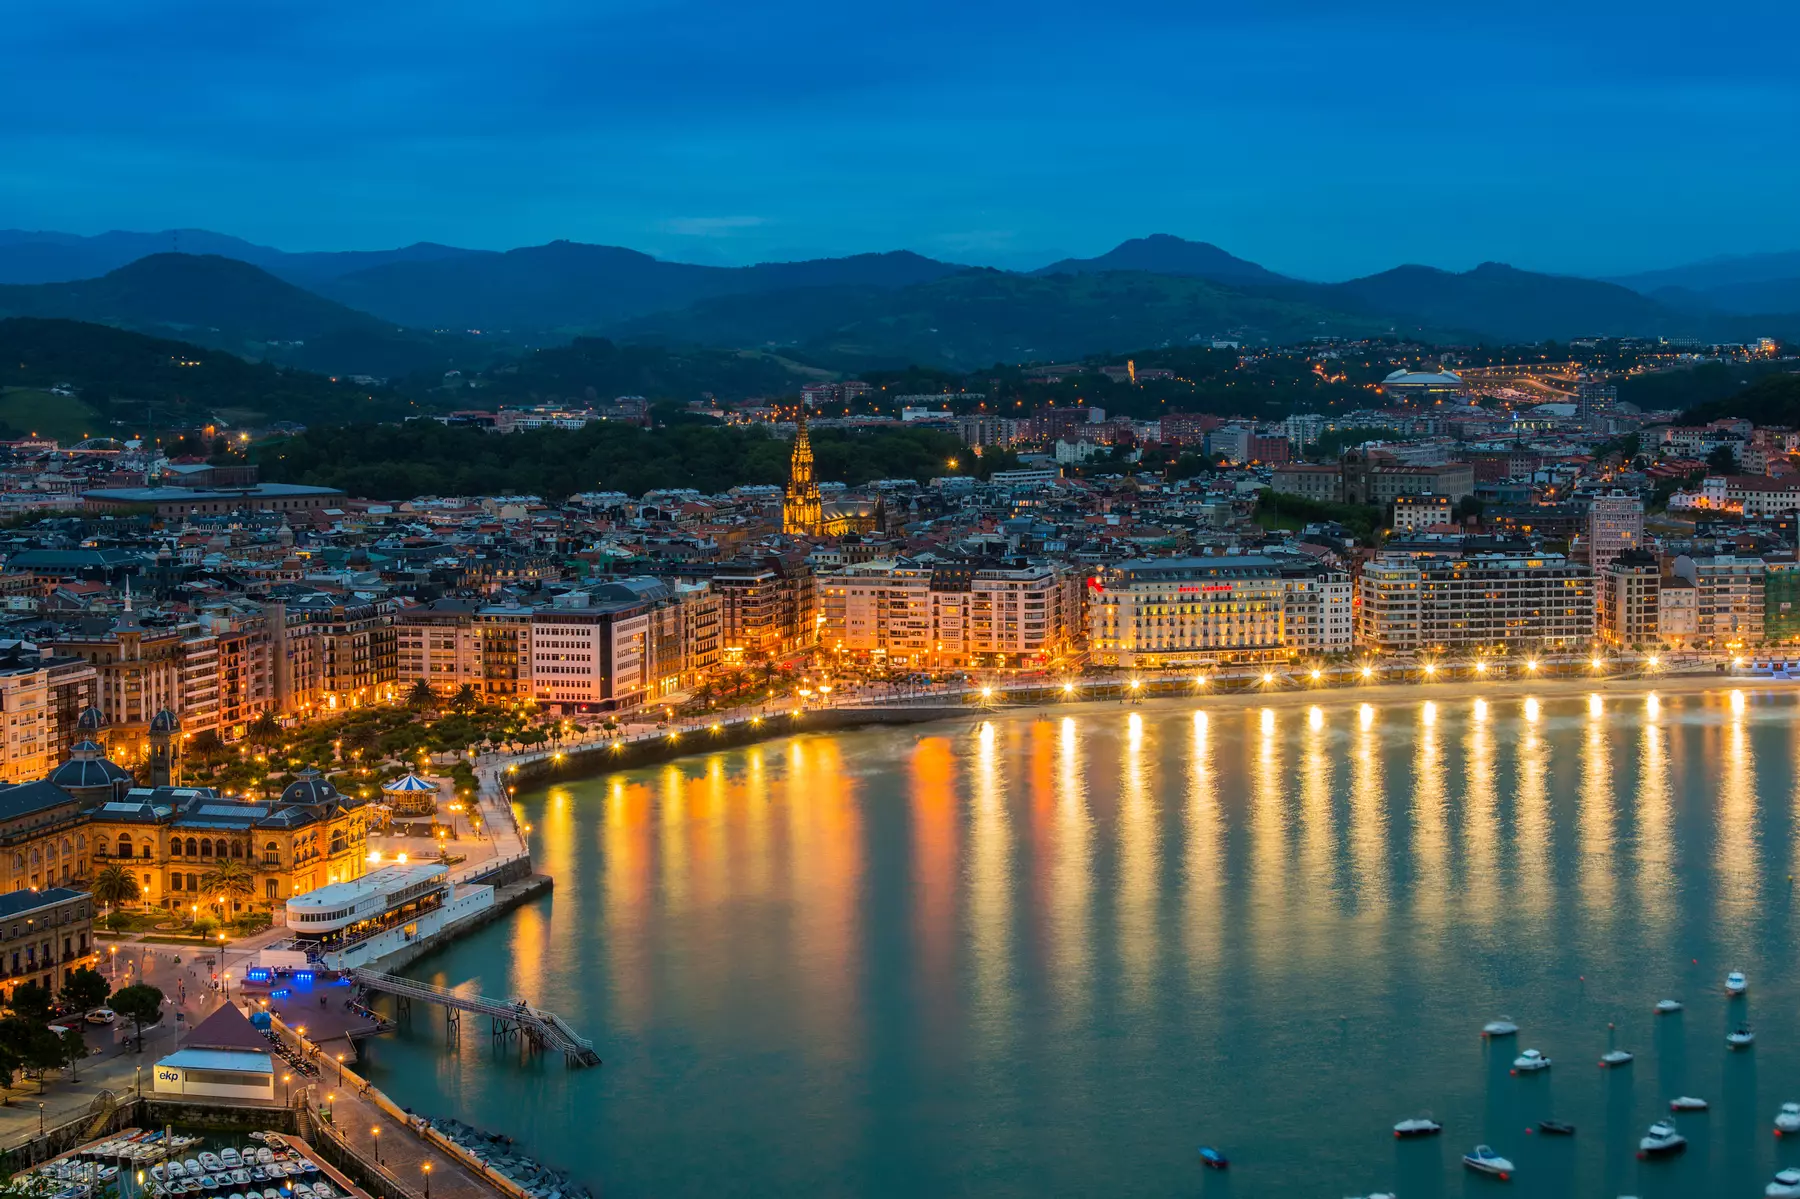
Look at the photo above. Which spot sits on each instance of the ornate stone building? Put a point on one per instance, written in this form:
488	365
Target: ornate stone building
802	511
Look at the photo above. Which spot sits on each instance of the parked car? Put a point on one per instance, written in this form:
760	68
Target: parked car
102	1015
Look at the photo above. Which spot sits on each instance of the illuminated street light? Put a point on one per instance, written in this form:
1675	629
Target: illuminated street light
1367	671
1480	667
1531	664
1431	668
1651	661
1595	663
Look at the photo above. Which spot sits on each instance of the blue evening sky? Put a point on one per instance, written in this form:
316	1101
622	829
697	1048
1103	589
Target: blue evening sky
1321	139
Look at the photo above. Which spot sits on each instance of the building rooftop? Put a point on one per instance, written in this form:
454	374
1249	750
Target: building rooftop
376	882
239	1060
17	903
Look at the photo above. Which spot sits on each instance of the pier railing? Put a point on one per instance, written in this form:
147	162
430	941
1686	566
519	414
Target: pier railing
539	1028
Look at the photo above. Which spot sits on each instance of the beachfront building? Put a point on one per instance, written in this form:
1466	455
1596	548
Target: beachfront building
45	936
1183	612
930	613
1728	591
1449	599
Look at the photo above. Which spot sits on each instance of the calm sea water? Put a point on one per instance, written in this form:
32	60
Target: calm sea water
1049	955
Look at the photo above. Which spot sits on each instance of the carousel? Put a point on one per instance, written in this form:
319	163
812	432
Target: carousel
410	795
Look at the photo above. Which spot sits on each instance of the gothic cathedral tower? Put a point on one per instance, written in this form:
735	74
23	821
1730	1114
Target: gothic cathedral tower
801	509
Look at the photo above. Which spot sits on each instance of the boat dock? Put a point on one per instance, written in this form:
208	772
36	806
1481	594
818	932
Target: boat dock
536	1027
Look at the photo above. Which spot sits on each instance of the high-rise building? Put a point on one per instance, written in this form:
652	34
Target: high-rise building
1630	599
1594	401
1728	605
950	613
1615	523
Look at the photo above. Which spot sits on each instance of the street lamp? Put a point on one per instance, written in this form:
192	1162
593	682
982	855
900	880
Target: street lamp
340	1069
375	1132
285	1079
426	1168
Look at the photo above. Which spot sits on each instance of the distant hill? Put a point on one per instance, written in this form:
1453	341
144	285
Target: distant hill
572	286
593	368
142	380
231	305
1770	400
1504	303
30	256
979	317
1739	283
1165	254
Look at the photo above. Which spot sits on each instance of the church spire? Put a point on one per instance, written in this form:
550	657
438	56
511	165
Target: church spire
802	511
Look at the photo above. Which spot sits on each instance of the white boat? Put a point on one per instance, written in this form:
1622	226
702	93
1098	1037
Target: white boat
231	1157
1503	1027
1687	1103
1743	1038
1665	1007
1786	1185
240	1176
192	1166
210	1161
1735	983
1615	1057
322	1190
157	1173
1418	1126
265	1155
1662	1138
271	1193
1787	1119
1485	1161
1530	1062
303	1190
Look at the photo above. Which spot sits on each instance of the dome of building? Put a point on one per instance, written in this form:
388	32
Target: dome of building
91	720
1424	379
88	768
311	787
164	721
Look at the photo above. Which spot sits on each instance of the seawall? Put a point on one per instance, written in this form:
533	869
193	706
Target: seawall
584	761
507	896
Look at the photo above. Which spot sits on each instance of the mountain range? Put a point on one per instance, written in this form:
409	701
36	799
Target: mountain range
427	307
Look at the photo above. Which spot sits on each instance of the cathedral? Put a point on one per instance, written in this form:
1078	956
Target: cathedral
805	514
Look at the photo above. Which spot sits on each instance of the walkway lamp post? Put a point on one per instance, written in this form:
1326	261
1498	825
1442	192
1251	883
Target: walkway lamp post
426	1168
285	1079
340	1058
375	1135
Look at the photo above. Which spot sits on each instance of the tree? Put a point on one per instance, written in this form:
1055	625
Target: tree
420	696
141	1004
265	729
114	885
10	1064
31	1001
465	699
233	880
206	745
29	1045
85	990
1722	461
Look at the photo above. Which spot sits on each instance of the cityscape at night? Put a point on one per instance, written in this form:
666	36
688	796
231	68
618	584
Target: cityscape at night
690	601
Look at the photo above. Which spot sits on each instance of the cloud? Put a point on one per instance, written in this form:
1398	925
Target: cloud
710	226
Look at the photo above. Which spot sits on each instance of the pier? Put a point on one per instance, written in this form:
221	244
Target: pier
509	1018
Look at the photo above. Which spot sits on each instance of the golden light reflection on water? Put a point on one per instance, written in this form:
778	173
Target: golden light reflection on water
1138	870
1481	823
990	898
1534	832
1072	880
1736	858
1595	875
1316	836
1430	819
1368	816
935	815
674	838
1654	808
1204	913
824	866
1268	883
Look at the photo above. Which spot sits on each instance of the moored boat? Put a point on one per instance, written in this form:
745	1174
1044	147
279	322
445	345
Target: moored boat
1483	1160
1418	1126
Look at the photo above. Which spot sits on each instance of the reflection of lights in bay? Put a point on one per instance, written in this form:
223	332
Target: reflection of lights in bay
1652	809
1205	869
1268	849
1534	831
1138	871
1315	833
1596	707
1368	818
1531	710
1268	720
1072	880
1365	715
1481	709
1430	821
990	902
1652	705
1595	871
1736	856
1481	833
1315	718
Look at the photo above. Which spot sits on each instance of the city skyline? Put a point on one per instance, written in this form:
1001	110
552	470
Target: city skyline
1323	147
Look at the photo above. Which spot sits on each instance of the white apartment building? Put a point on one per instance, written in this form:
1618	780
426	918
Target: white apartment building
26	744
1414	602
1184	612
1728	600
1415	512
928	614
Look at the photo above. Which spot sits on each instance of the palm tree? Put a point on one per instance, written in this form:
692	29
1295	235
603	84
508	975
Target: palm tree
264	729
420	696
115	885
466	698
229	880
